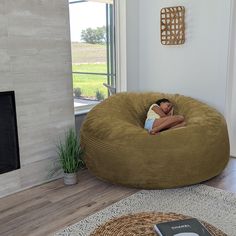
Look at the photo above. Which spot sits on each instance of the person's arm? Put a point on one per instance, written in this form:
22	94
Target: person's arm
171	113
159	111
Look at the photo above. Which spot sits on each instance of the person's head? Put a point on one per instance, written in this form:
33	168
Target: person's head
164	104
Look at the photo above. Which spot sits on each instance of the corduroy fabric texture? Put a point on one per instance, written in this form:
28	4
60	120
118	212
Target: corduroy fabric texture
118	149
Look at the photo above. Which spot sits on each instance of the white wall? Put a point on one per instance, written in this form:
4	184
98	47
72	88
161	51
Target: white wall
232	118
132	44
231	85
199	67
35	62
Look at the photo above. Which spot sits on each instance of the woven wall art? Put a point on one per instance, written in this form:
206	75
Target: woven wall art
173	25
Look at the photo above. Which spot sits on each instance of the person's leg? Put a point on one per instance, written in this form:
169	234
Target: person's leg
166	123
182	124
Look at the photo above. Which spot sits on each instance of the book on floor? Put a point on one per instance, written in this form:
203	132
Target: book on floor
188	227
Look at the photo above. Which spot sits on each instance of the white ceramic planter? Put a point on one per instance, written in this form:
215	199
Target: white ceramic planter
70	178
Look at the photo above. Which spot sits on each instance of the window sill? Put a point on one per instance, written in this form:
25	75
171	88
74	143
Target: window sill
82	107
81	111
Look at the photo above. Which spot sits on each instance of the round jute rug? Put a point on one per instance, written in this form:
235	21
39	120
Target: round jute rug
143	223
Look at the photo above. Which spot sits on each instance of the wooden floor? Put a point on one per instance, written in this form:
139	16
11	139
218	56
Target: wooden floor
47	208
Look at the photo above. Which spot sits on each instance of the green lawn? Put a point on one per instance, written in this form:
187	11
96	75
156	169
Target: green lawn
89	84
89	58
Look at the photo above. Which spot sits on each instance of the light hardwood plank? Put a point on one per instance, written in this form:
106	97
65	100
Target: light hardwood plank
227	179
45	209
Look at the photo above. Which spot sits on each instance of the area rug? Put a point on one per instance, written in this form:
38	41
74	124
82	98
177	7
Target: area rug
209	204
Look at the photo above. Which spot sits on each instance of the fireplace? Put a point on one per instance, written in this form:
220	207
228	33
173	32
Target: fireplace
9	147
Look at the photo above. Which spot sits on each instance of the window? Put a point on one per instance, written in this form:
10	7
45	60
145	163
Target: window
92	50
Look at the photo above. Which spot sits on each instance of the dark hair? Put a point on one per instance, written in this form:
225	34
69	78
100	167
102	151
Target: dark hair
158	102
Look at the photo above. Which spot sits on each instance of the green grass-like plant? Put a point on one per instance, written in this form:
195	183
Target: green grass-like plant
77	92
99	95
70	153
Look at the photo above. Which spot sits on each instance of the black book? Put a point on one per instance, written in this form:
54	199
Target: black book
188	227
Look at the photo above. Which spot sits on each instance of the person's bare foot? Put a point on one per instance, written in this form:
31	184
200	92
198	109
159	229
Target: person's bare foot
153	132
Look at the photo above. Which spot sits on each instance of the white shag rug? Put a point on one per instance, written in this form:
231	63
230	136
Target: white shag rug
212	205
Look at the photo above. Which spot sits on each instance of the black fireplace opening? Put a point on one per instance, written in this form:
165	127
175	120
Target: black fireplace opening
9	146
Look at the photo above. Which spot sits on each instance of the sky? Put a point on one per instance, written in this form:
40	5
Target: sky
84	15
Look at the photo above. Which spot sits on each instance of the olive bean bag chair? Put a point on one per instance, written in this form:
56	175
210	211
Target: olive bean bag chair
118	149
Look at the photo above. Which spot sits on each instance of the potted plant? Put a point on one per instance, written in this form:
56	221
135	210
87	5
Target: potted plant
70	157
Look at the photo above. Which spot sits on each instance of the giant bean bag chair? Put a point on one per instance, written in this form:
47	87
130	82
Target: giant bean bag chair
118	149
